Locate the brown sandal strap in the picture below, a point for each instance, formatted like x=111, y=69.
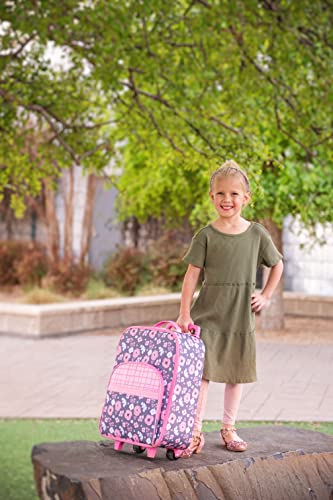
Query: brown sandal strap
x=224, y=431
x=192, y=448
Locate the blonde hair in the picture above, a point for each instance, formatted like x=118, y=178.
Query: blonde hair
x=230, y=167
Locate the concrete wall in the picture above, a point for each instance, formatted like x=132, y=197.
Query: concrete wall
x=308, y=266
x=28, y=228
x=91, y=315
x=106, y=231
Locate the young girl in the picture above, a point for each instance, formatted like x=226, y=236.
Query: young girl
x=229, y=251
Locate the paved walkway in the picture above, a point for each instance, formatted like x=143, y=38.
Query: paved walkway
x=67, y=377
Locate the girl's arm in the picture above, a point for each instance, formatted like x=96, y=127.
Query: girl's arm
x=189, y=285
x=259, y=300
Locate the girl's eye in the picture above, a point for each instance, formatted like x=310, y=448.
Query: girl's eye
x=234, y=194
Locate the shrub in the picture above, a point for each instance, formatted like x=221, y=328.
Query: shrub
x=166, y=262
x=70, y=278
x=127, y=270
x=33, y=265
x=22, y=262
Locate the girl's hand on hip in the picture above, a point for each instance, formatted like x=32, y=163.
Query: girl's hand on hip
x=183, y=322
x=258, y=301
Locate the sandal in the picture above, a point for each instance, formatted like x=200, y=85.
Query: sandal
x=195, y=446
x=233, y=445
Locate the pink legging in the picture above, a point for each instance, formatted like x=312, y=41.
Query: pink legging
x=232, y=397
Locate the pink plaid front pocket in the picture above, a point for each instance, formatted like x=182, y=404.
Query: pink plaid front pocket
x=133, y=403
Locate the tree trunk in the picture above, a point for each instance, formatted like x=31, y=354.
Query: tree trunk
x=53, y=234
x=87, y=218
x=69, y=209
x=272, y=317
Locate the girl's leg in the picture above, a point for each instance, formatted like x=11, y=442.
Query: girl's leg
x=197, y=440
x=202, y=401
x=232, y=397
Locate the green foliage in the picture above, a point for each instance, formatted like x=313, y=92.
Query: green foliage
x=151, y=289
x=182, y=86
x=251, y=83
x=97, y=290
x=52, y=113
x=37, y=295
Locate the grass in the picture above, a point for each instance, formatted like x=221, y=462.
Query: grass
x=38, y=295
x=151, y=289
x=326, y=427
x=97, y=290
x=17, y=437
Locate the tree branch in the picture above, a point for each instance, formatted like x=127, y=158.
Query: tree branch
x=224, y=125
x=150, y=114
x=308, y=151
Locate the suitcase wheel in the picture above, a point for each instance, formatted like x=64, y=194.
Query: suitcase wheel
x=138, y=449
x=172, y=455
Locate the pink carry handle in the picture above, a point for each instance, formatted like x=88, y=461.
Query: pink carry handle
x=193, y=329
x=168, y=325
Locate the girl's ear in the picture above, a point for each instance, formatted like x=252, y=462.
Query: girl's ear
x=247, y=197
x=211, y=195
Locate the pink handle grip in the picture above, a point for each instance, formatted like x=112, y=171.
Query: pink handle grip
x=195, y=330
x=168, y=325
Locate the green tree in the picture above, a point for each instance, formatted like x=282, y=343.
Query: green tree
x=192, y=83
x=244, y=80
x=52, y=117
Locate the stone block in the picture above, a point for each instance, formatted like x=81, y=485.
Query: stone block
x=85, y=316
x=281, y=463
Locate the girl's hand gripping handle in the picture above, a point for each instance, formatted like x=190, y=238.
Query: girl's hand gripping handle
x=194, y=330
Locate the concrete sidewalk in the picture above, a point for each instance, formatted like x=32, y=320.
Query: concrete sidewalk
x=67, y=377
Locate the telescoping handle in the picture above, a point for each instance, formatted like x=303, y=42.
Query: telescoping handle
x=168, y=325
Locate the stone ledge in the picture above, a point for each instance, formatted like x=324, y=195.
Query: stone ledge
x=280, y=463
x=298, y=304
x=75, y=317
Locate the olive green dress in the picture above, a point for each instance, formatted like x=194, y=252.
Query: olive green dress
x=223, y=306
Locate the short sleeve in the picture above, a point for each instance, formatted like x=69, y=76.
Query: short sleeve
x=270, y=254
x=196, y=254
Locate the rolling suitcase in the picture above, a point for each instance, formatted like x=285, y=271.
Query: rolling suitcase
x=153, y=390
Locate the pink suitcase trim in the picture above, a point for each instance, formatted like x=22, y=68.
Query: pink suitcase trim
x=144, y=383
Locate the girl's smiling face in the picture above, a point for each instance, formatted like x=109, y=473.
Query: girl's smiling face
x=229, y=196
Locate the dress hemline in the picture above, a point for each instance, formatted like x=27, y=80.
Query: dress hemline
x=224, y=381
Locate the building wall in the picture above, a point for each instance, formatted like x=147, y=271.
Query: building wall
x=106, y=231
x=308, y=266
x=25, y=229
